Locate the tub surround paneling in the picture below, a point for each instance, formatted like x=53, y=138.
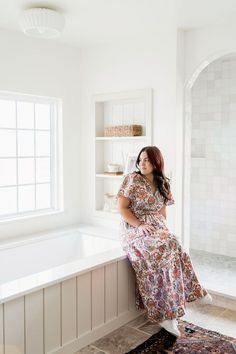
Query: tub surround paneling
x=34, y=322
x=77, y=253
x=13, y=326
x=123, y=288
x=111, y=291
x=64, y=317
x=68, y=311
x=52, y=317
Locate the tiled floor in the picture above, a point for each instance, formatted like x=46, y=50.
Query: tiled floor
x=129, y=336
x=216, y=272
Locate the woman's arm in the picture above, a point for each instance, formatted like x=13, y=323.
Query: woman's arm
x=128, y=216
x=162, y=211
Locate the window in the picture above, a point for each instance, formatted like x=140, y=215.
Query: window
x=29, y=155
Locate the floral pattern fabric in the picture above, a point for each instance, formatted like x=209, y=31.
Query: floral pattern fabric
x=164, y=273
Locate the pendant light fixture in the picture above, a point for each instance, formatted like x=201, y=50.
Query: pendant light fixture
x=42, y=22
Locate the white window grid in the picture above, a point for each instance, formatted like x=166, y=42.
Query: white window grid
x=54, y=130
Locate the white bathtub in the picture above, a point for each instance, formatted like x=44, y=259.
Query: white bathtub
x=59, y=292
x=43, y=260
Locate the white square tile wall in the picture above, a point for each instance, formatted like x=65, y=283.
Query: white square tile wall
x=213, y=159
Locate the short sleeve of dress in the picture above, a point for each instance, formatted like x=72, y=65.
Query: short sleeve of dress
x=170, y=199
x=127, y=187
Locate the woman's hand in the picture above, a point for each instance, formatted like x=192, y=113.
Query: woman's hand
x=145, y=229
x=162, y=211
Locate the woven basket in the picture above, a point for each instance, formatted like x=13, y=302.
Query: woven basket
x=123, y=130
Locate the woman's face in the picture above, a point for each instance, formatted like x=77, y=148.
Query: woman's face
x=145, y=165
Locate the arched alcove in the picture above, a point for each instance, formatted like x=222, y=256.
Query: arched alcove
x=210, y=157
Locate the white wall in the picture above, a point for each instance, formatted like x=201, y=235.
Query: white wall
x=46, y=68
x=135, y=65
x=207, y=44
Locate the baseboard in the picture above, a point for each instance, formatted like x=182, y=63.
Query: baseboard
x=96, y=333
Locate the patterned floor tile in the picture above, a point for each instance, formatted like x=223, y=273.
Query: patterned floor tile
x=135, y=332
x=137, y=322
x=90, y=350
x=121, y=340
x=150, y=328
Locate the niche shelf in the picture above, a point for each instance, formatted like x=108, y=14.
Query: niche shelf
x=121, y=108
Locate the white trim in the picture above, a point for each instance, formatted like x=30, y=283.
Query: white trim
x=22, y=185
x=132, y=96
x=117, y=138
x=27, y=129
x=28, y=97
x=30, y=215
x=55, y=131
x=123, y=95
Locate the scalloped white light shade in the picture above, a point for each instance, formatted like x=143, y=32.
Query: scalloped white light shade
x=42, y=23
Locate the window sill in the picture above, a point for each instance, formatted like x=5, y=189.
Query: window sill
x=30, y=216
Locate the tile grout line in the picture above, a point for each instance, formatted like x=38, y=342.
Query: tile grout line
x=137, y=326
x=99, y=349
x=139, y=330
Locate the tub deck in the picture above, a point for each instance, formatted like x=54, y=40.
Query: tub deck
x=62, y=292
x=26, y=266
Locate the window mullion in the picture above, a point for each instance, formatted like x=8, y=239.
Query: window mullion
x=52, y=157
x=30, y=190
x=17, y=179
x=34, y=159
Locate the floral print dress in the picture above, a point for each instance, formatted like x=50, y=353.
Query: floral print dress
x=164, y=272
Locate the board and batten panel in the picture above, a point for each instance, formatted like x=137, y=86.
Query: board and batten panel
x=1, y=330
x=84, y=301
x=52, y=317
x=34, y=323
x=132, y=280
x=98, y=315
x=14, y=326
x=69, y=310
x=110, y=291
x=123, y=286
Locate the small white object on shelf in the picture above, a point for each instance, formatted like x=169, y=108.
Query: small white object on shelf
x=110, y=203
x=130, y=164
x=113, y=167
x=126, y=108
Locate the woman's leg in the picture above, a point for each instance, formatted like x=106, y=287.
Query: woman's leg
x=158, y=274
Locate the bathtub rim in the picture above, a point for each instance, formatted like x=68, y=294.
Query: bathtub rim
x=31, y=283
x=103, y=232
x=12, y=294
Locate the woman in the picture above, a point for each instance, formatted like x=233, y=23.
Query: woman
x=164, y=272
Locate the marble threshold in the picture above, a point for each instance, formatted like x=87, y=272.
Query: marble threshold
x=218, y=274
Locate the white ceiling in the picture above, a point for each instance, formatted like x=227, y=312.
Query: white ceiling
x=101, y=21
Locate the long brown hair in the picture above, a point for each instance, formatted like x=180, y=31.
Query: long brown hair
x=160, y=180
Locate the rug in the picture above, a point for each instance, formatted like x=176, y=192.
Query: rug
x=193, y=340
